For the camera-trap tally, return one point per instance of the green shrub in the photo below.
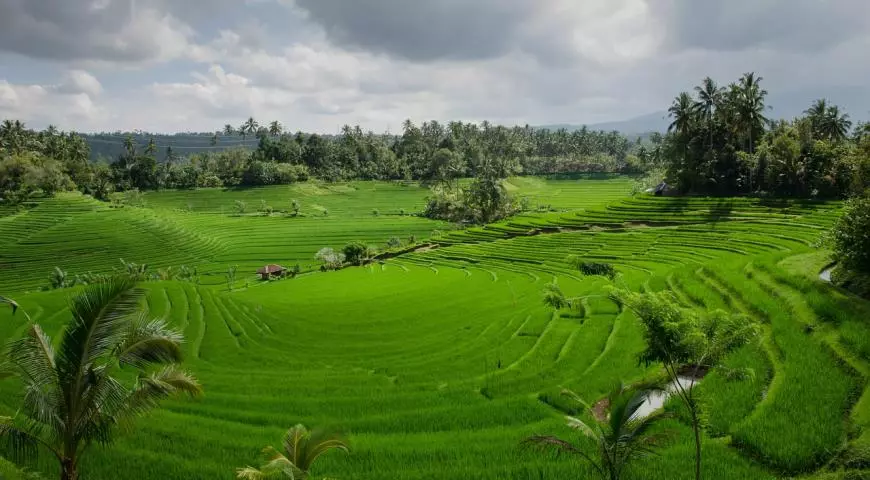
(356, 252)
(851, 238)
(595, 268)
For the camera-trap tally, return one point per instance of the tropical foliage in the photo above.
(721, 141)
(301, 448)
(620, 435)
(851, 236)
(681, 339)
(75, 394)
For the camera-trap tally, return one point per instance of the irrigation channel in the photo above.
(825, 274)
(656, 399)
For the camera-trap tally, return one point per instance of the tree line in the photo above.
(43, 162)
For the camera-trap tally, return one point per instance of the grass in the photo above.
(438, 363)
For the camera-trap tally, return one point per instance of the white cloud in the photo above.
(40, 105)
(107, 32)
(79, 81)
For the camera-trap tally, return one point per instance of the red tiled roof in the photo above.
(271, 268)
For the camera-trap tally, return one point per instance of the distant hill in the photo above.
(787, 104)
(637, 126)
(110, 145)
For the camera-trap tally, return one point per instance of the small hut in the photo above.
(661, 189)
(271, 270)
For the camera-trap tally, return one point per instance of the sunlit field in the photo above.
(437, 363)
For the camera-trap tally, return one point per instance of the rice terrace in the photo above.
(452, 300)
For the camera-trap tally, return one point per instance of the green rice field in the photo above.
(438, 362)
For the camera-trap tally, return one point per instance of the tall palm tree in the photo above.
(229, 130)
(621, 436)
(835, 125)
(250, 126)
(751, 105)
(243, 131)
(275, 128)
(709, 98)
(683, 113)
(816, 113)
(74, 396)
(301, 449)
(129, 146)
(151, 148)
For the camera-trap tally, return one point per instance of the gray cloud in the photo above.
(102, 30)
(792, 25)
(323, 63)
(427, 30)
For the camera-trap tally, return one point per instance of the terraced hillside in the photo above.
(439, 362)
(203, 228)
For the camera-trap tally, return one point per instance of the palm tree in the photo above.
(816, 113)
(250, 127)
(836, 125)
(751, 105)
(214, 140)
(621, 436)
(229, 130)
(243, 131)
(683, 113)
(275, 128)
(709, 98)
(301, 449)
(129, 146)
(151, 148)
(74, 396)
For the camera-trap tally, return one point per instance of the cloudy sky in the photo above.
(166, 65)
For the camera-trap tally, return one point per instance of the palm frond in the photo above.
(99, 313)
(159, 385)
(293, 442)
(320, 442)
(104, 403)
(14, 305)
(34, 358)
(281, 466)
(581, 426)
(44, 405)
(552, 442)
(17, 443)
(250, 473)
(148, 342)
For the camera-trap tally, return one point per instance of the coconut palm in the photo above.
(74, 396)
(621, 435)
(835, 125)
(751, 106)
(816, 113)
(250, 127)
(683, 113)
(229, 130)
(709, 98)
(301, 449)
(275, 128)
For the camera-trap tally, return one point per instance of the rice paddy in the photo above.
(439, 362)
